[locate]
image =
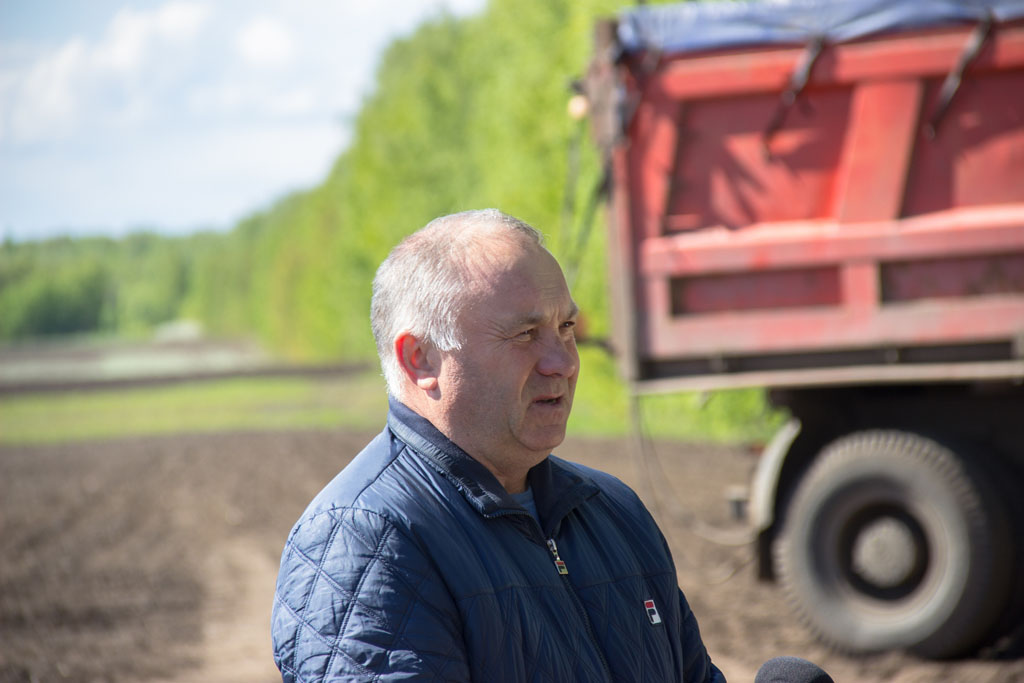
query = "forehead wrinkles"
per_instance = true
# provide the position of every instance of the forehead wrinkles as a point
(526, 285)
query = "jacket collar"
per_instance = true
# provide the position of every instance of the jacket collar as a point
(557, 489)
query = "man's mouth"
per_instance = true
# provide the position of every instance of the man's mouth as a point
(549, 400)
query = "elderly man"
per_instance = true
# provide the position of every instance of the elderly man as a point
(455, 547)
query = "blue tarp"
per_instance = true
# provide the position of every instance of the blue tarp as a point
(729, 23)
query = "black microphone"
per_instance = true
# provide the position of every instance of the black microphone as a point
(791, 670)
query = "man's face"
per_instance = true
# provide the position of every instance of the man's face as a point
(507, 393)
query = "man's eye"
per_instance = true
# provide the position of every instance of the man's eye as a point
(525, 334)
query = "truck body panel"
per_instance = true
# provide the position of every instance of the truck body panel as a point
(860, 228)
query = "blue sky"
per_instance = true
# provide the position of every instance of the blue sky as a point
(178, 115)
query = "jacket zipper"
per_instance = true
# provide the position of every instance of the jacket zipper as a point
(553, 547)
(563, 570)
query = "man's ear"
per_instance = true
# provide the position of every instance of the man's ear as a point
(419, 361)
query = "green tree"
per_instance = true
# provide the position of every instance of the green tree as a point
(48, 301)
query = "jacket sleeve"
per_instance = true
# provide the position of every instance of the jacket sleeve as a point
(697, 662)
(357, 600)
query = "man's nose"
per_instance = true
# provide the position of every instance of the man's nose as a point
(559, 358)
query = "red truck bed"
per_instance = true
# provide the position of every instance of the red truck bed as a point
(859, 225)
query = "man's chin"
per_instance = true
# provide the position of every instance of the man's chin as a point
(546, 440)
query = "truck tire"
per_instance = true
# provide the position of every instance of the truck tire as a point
(893, 541)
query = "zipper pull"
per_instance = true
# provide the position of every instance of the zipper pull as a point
(559, 565)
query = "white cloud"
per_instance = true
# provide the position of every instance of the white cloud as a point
(181, 21)
(265, 42)
(134, 35)
(125, 43)
(42, 101)
(49, 96)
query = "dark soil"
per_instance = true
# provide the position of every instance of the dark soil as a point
(154, 559)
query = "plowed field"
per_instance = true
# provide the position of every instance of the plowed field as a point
(154, 559)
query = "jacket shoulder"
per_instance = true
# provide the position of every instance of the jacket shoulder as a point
(356, 598)
(609, 485)
(356, 477)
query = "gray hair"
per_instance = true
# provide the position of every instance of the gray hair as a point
(420, 287)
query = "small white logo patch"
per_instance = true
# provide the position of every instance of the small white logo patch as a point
(652, 612)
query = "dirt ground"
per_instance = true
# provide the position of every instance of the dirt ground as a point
(154, 559)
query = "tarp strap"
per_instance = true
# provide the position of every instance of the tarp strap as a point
(797, 83)
(955, 77)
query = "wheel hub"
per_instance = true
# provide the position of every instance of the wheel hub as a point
(885, 553)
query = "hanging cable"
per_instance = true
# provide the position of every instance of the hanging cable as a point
(577, 109)
(597, 194)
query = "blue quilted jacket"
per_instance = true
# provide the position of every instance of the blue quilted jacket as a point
(414, 564)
